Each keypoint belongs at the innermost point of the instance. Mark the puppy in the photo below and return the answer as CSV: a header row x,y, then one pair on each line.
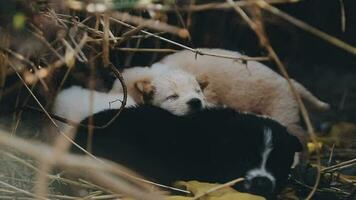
x,y
214,145
251,87
76,103
174,90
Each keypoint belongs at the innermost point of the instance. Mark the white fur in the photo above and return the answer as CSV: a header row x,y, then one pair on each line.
x,y
296,160
170,82
166,82
74,103
261,170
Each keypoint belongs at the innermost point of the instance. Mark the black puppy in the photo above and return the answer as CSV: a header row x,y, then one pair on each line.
x,y
216,145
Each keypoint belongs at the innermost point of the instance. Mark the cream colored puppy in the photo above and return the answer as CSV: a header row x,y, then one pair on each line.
x,y
172,89
251,87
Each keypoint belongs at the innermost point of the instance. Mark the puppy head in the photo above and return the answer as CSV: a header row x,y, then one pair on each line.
x,y
173,90
277,154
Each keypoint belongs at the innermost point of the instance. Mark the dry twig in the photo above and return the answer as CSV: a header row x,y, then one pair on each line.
x,y
306,27
207,6
149,23
258,28
80,165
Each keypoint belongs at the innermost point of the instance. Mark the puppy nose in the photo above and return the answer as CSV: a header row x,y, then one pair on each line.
x,y
195,104
260,185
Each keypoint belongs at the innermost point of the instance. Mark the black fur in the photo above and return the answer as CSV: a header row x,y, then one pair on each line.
x,y
215,145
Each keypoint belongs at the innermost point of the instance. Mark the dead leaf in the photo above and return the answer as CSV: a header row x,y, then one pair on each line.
x,y
227,193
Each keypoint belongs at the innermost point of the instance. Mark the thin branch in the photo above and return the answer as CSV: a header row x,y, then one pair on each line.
x,y
258,28
340,165
207,6
48,45
150,23
196,51
112,36
342,15
106,28
306,27
147,50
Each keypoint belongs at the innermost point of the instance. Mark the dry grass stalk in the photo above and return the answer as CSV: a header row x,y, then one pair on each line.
x,y
48,45
61,144
339,166
3,72
342,15
22,191
258,28
119,38
197,51
81,165
51,177
106,28
147,50
207,6
152,24
307,28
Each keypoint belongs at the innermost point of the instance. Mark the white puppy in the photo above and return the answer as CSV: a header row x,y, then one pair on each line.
x,y
174,90
77,103
251,87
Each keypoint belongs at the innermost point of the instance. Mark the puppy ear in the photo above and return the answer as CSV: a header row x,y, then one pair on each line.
x,y
146,89
203,81
144,86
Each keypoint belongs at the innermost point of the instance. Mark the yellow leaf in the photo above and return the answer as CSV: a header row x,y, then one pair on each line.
x,y
312,147
19,20
175,197
198,188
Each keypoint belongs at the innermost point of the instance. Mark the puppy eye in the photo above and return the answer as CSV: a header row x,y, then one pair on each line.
x,y
172,97
197,90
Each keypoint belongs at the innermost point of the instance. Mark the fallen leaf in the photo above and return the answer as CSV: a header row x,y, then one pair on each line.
x,y
198,188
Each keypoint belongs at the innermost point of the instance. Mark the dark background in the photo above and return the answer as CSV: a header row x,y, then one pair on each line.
x,y
328,71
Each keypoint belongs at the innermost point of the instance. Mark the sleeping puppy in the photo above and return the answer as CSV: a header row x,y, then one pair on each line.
x,y
76,103
251,87
214,145
174,90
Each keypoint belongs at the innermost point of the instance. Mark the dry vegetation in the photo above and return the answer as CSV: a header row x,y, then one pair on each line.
x,y
41,39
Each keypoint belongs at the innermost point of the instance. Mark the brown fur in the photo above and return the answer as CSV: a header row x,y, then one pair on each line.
x,y
137,81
